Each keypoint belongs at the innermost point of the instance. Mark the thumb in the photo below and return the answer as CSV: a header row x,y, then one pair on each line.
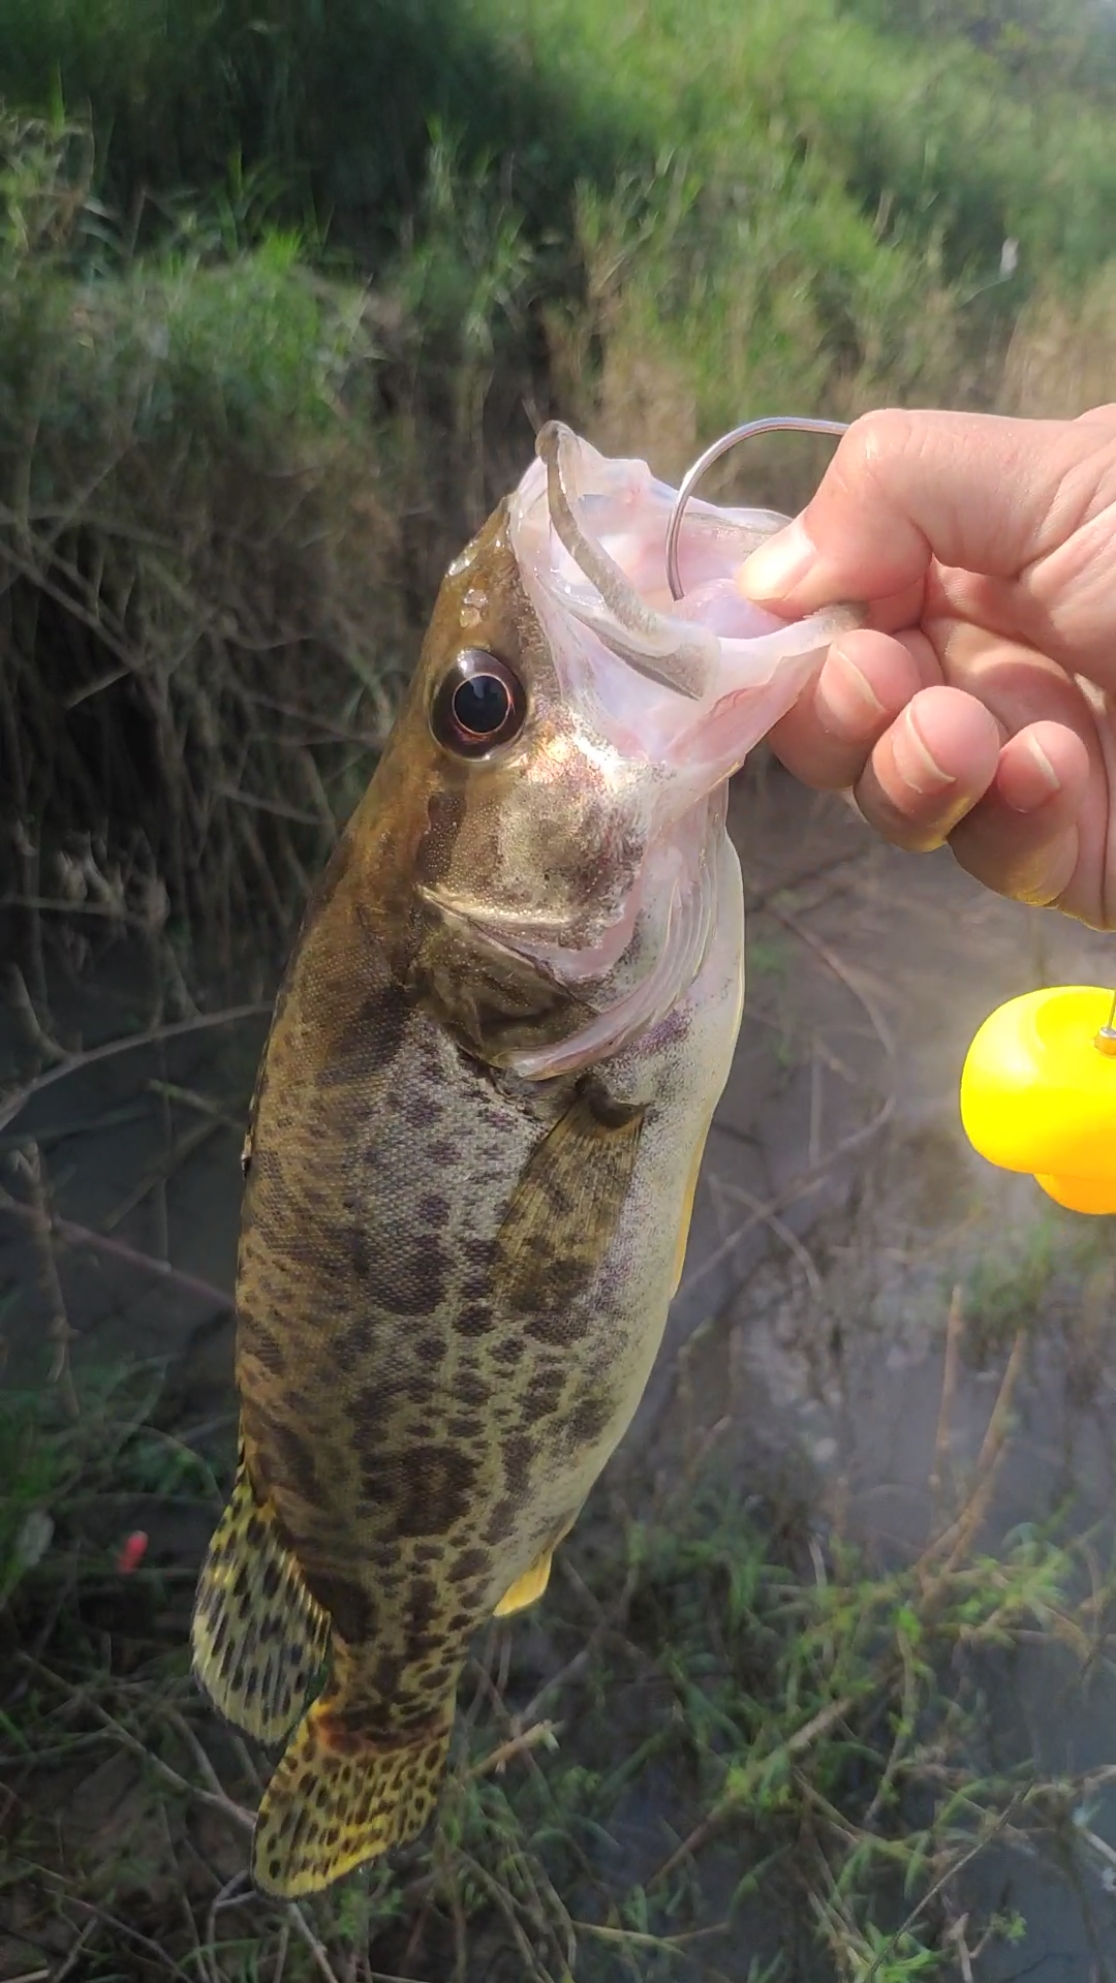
x,y
987,494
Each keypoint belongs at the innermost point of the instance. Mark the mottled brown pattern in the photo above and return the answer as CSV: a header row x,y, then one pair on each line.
x,y
475,1318
340,1793
350,1607
370,1038
544,1394
268,1349
445,1316
588,1420
259,1636
414,1278
445,815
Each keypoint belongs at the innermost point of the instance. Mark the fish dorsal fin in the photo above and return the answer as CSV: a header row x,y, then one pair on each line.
x,y
566,1206
259,1638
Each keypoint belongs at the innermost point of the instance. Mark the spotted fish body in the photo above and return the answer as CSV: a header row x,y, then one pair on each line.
x,y
476,1136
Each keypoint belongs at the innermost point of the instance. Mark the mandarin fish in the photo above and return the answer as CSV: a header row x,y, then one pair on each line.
x,y
475,1138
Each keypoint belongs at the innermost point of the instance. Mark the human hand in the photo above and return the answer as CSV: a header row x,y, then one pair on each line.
x,y
979,705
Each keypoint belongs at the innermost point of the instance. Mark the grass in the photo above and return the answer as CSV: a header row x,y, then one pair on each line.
x,y
191,530
1049,1271
725,1747
241,434
924,135
228,489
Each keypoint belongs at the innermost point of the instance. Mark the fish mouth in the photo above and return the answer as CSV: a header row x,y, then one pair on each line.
x,y
653,646
690,685
661,702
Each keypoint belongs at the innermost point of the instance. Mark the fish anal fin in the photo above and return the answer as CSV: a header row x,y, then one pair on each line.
x,y
259,1638
339,1798
527,1588
567,1204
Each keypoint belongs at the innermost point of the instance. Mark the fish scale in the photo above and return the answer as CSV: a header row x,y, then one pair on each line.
x,y
471,1164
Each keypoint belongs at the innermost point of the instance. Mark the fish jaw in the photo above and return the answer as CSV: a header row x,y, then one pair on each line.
x,y
653,953
689,687
667,699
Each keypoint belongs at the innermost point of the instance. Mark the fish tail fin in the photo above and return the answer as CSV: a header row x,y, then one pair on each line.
x,y
340,1797
259,1638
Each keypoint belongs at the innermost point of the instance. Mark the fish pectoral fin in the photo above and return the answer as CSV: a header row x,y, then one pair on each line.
x,y
566,1206
259,1638
340,1797
527,1588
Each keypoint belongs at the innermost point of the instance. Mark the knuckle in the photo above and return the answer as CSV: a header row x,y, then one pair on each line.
x,y
875,444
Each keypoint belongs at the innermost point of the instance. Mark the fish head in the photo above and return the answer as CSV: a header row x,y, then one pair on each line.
x,y
563,754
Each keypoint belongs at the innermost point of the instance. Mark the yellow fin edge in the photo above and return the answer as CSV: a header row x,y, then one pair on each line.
x,y
527,1588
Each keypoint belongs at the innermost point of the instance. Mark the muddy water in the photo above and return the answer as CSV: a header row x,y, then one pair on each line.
x,y
839,1208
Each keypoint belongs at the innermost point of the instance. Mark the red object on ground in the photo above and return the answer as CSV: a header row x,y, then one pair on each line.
x,y
132,1554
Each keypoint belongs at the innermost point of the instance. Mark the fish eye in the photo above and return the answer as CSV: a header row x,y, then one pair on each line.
x,y
479,704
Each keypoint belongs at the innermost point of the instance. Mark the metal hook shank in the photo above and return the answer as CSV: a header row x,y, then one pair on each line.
x,y
774,423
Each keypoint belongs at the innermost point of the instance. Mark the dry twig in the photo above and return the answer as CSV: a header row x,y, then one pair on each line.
x,y
73,1063
117,1249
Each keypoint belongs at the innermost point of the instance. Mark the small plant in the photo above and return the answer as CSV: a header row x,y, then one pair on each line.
x,y
1036,1268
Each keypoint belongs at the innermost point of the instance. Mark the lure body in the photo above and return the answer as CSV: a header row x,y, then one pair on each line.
x,y
1038,1094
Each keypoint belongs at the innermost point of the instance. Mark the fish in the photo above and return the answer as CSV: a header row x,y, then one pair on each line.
x,y
475,1138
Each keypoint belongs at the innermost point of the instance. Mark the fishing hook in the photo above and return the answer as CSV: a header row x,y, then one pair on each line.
x,y
773,423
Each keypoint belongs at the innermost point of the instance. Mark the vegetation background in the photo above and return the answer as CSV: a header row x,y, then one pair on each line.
x,y
284,290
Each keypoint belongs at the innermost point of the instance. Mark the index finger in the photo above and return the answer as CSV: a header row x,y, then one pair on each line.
x,y
905,488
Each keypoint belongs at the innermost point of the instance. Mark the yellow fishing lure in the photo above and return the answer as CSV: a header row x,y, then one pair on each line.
x,y
1038,1093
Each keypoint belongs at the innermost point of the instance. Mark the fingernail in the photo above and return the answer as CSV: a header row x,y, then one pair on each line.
x,y
916,763
1043,765
776,567
847,705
